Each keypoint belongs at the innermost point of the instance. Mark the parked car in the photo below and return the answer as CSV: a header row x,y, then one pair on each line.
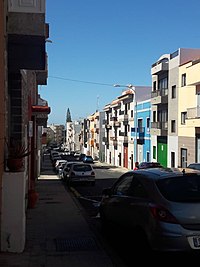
x,y
195,166
60,169
159,206
58,163
81,156
145,165
66,169
81,173
88,159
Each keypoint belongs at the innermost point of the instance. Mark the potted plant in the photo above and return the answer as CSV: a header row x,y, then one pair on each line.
x,y
16,154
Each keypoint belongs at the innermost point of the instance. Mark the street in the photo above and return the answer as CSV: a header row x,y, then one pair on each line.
x,y
118,244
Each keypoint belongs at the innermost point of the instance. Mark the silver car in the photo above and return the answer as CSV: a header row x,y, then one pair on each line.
x,y
161,208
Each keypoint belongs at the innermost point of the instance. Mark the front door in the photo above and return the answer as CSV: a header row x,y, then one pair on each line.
x,y
183,157
125,157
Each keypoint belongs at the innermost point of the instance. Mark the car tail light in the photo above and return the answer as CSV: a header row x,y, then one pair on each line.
x,y
93,174
162,214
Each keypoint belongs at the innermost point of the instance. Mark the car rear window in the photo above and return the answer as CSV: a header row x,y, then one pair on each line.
x,y
194,166
181,189
80,168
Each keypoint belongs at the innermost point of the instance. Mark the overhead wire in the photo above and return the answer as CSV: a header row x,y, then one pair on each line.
x,y
80,81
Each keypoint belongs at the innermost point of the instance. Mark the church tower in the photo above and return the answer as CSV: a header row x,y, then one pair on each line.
x,y
69,132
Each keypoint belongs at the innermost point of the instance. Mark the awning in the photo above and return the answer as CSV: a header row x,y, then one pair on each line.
x,y
36,109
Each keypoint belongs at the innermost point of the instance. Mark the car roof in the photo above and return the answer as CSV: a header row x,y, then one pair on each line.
x,y
82,164
158,173
196,163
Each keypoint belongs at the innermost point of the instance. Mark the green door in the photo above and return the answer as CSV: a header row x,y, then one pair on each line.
x,y
162,153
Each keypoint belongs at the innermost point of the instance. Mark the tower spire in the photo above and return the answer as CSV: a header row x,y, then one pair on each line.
x,y
69,119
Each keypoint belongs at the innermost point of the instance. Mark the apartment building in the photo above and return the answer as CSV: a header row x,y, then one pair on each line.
x,y
56,133
127,123
23,66
141,131
174,94
189,113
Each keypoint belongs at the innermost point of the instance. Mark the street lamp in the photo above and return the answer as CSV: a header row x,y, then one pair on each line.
x,y
130,86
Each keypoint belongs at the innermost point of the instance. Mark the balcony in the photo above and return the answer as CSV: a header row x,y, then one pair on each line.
x,y
42,75
117,124
193,113
26,52
159,97
193,117
193,71
108,126
125,137
159,67
159,128
113,138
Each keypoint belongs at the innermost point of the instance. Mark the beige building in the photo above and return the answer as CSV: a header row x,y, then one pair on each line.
x,y
189,107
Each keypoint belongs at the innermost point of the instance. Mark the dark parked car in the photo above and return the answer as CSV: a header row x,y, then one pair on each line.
x,y
88,159
145,165
158,206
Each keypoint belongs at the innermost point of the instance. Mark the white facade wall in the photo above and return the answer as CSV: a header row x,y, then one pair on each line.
x,y
172,147
153,143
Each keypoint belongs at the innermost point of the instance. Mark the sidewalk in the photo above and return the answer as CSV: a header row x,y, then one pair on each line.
x,y
57,233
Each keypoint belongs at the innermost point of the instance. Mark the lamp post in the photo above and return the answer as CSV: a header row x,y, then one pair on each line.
x,y
130,86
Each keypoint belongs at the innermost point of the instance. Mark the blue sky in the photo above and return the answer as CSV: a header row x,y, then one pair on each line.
x,y
96,44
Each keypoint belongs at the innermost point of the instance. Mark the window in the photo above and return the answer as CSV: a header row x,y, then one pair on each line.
x,y
123,186
154,152
137,189
172,159
148,156
140,123
131,113
183,80
154,86
173,126
148,124
163,83
174,91
154,116
183,117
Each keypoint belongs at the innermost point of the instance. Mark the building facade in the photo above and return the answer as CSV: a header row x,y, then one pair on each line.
x,y
23,67
172,134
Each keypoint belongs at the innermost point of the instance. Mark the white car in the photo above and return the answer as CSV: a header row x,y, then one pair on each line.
x,y
66,169
81,173
58,163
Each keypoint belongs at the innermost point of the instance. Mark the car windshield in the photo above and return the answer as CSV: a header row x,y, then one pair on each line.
x,y
82,168
181,189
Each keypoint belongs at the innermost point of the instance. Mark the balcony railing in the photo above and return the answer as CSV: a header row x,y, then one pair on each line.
x,y
117,124
193,113
160,125
161,92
